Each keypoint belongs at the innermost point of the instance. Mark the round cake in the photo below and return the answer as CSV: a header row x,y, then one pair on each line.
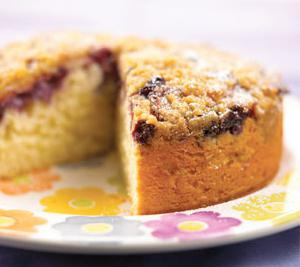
x,y
195,126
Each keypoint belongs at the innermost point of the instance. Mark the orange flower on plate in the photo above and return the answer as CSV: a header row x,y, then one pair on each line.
x,y
19,221
84,201
36,181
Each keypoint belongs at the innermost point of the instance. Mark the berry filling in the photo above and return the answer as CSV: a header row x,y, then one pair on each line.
x,y
143,132
42,90
232,122
106,59
149,87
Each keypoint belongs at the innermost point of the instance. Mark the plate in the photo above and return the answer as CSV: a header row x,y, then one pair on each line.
x,y
83,208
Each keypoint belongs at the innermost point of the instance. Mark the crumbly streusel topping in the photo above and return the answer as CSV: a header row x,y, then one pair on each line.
x,y
174,90
183,90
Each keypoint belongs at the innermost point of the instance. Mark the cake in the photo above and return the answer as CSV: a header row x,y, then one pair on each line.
x,y
195,126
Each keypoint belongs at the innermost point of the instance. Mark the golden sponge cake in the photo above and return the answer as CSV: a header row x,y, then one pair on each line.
x,y
195,126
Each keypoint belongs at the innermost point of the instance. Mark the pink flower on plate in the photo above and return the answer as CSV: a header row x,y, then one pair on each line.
x,y
191,226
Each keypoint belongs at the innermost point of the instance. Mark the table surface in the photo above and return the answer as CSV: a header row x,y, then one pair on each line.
x,y
264,29
279,250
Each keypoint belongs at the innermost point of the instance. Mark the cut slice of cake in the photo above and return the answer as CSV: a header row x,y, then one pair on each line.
x,y
196,126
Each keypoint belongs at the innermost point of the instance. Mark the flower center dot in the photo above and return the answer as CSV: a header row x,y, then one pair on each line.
x,y
6,221
19,180
192,226
97,228
82,203
274,207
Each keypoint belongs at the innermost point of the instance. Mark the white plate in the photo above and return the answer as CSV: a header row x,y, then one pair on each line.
x,y
62,209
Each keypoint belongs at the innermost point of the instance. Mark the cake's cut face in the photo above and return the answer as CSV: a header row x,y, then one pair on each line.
x,y
65,114
195,126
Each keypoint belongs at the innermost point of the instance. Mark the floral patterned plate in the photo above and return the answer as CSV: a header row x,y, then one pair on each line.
x,y
83,208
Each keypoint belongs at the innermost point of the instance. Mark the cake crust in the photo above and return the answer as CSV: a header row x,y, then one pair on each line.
x,y
188,174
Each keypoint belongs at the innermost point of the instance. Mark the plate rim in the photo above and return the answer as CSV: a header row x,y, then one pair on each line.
x,y
100,248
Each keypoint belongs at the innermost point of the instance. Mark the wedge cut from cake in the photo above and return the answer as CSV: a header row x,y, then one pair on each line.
x,y
195,126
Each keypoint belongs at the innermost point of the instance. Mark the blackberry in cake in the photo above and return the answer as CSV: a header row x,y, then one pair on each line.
x,y
195,126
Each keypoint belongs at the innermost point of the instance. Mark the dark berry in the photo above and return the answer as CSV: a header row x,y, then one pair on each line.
x,y
106,59
145,91
236,129
232,122
157,81
44,89
101,55
18,102
213,130
143,132
150,85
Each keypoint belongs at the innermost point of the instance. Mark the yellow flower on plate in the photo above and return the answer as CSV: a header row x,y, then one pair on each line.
x,y
83,201
97,228
260,207
19,221
192,226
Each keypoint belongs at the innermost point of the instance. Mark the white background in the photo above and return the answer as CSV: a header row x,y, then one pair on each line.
x,y
267,30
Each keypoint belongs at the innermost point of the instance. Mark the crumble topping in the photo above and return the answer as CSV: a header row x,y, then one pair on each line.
x,y
197,91
175,90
